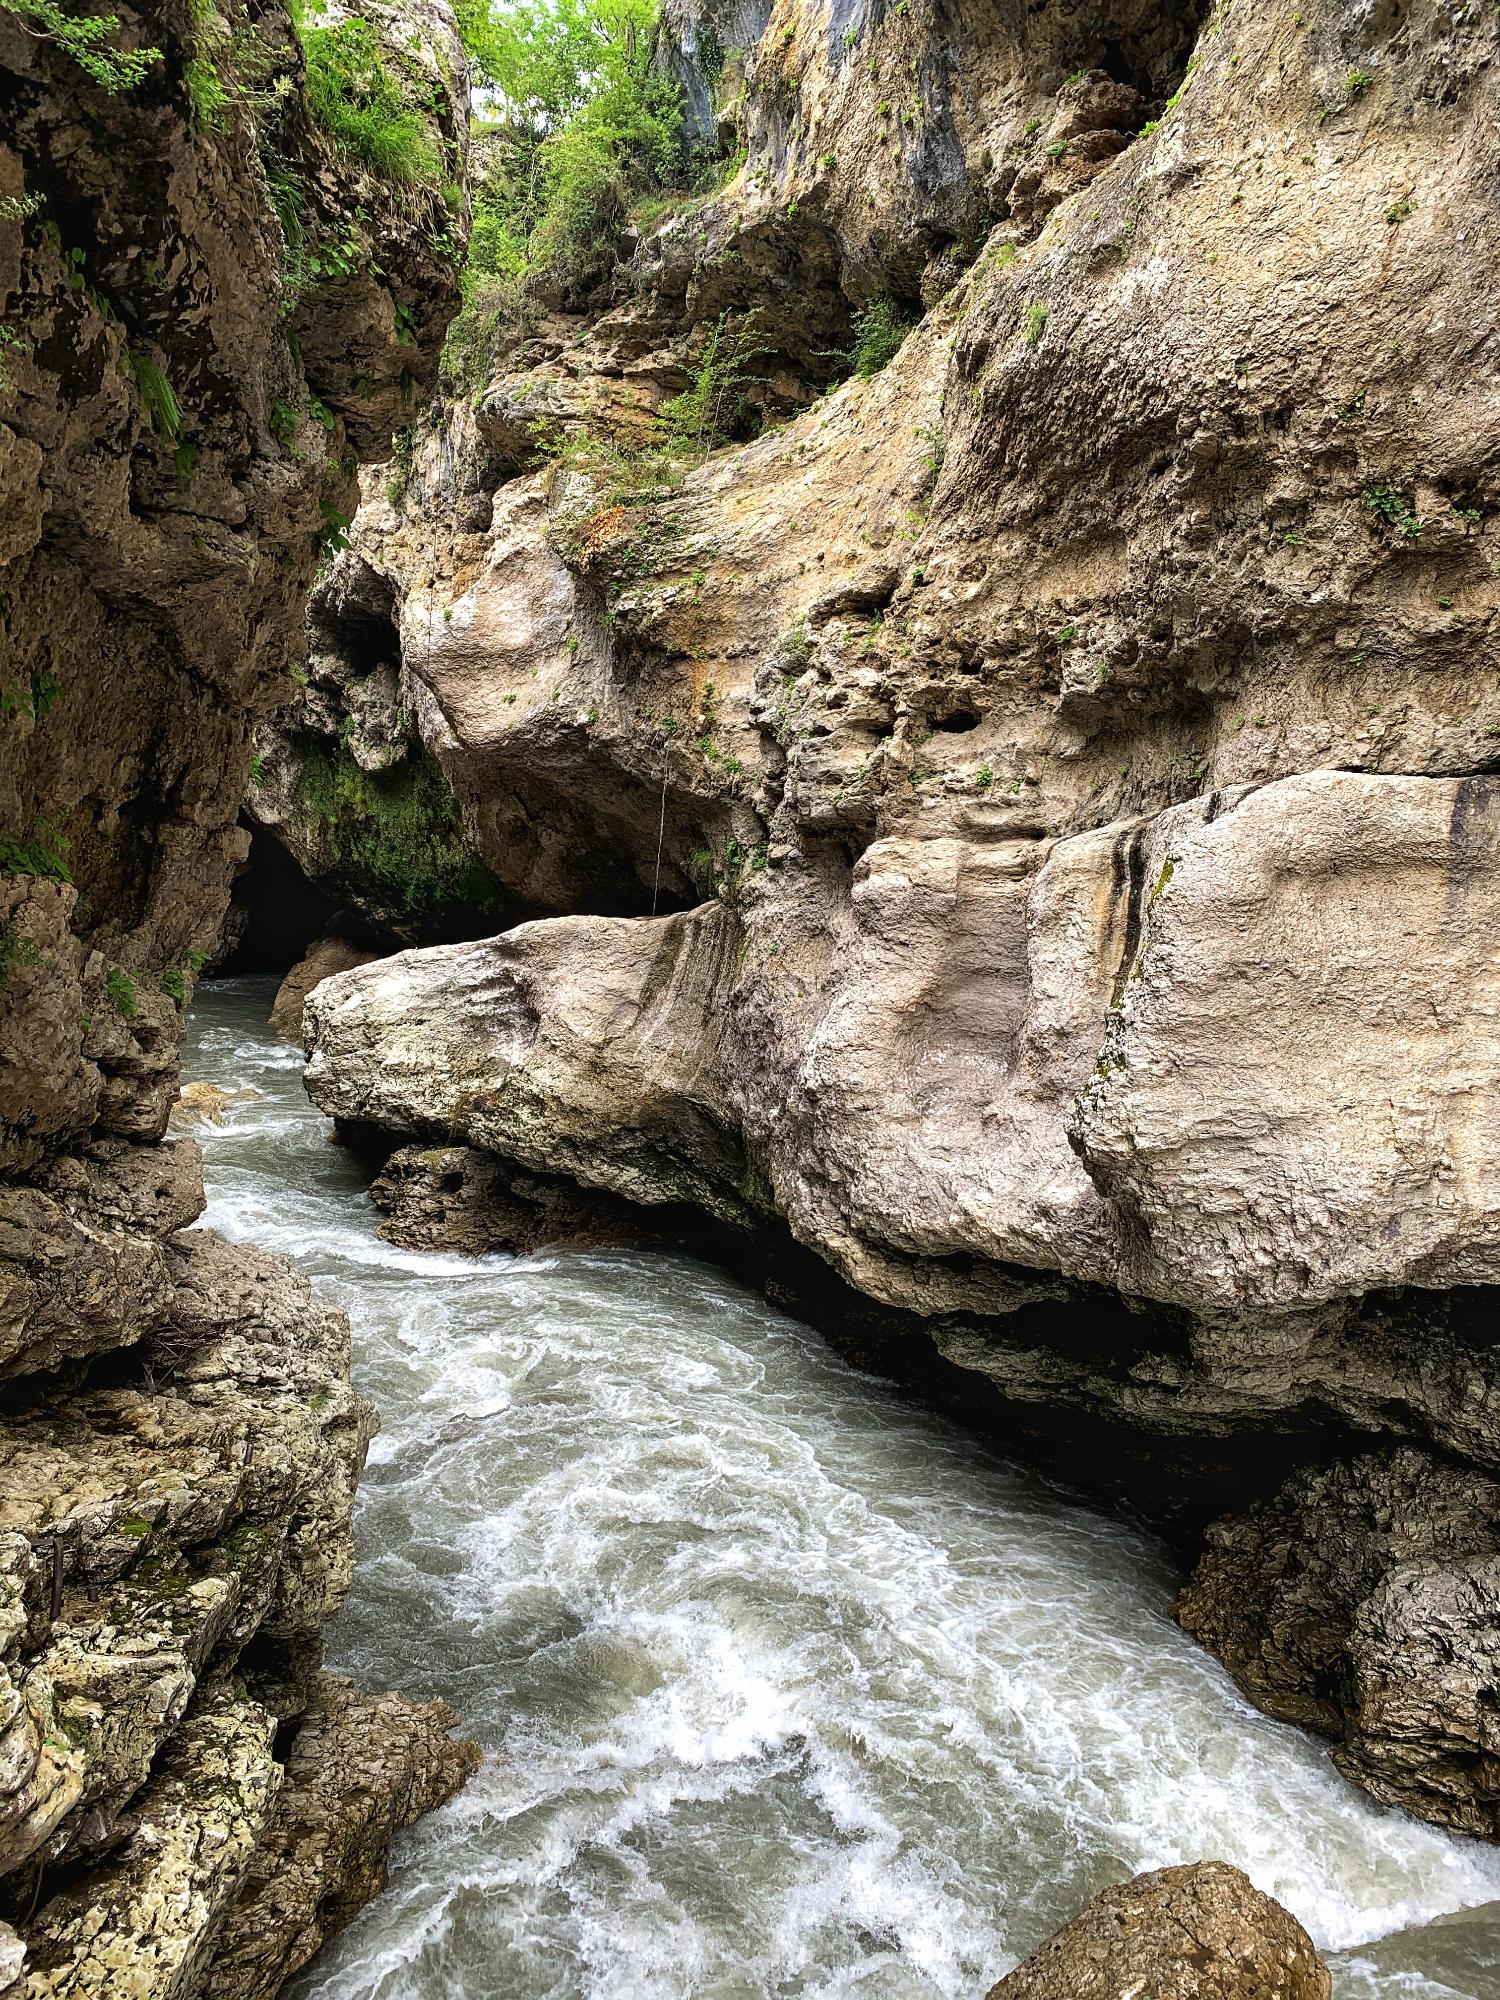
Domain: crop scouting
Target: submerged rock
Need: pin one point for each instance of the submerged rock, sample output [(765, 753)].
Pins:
[(1203, 1932)]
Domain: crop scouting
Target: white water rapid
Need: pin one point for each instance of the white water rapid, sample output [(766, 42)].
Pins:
[(787, 1687)]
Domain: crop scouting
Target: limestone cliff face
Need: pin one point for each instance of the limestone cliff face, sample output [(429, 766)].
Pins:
[(1026, 821), (208, 318)]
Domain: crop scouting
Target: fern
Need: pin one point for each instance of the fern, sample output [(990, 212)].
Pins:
[(158, 396)]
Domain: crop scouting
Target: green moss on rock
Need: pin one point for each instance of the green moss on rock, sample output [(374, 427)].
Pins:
[(395, 837)]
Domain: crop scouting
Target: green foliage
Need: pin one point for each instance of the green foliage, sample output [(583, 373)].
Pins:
[(33, 699), (41, 852), (709, 409), (85, 38), (174, 985), (585, 128), (359, 101), (119, 991), (158, 396), (879, 331), (1357, 82), (283, 422), (207, 93), (398, 832), (1036, 319), (1391, 506)]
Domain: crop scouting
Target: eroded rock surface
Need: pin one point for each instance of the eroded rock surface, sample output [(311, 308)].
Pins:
[(187, 390), (1361, 1601), (324, 957), (1026, 821), (1203, 1932)]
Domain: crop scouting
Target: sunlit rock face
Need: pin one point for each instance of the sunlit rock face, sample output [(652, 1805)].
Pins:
[(185, 405)]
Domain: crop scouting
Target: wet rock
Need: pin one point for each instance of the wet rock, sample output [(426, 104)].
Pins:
[(1361, 1601), (205, 1103), (1202, 1932), (458, 1199), (324, 957), (361, 1768)]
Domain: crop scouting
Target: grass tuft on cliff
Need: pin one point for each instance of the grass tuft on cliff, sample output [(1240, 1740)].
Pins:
[(361, 104)]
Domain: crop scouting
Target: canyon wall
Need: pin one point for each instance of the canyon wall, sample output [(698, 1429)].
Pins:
[(1021, 823), (209, 315)]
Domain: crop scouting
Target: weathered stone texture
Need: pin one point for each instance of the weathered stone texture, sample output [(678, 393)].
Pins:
[(1198, 1933), (179, 1444)]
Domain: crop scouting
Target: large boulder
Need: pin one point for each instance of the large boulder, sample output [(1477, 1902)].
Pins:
[(323, 957), (1203, 1932), (1363, 1600)]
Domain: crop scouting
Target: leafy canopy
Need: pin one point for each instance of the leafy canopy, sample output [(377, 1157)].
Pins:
[(578, 126)]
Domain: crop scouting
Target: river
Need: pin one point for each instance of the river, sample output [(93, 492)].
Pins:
[(786, 1687)]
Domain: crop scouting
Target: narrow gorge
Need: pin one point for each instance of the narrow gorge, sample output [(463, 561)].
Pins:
[(843, 662)]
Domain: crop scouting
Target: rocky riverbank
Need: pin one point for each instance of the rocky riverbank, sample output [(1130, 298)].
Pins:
[(210, 315)]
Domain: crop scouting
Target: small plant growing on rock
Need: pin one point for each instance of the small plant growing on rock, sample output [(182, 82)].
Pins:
[(879, 331), (85, 38), (706, 413), (119, 990), (1036, 319), (158, 395), (1357, 82), (42, 852)]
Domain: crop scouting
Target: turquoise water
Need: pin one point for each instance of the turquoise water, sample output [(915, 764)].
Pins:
[(786, 1686)]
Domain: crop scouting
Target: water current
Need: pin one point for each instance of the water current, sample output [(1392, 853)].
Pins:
[(786, 1686)]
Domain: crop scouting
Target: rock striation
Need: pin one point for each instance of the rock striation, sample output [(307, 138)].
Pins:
[(1198, 1933), (1025, 822), (189, 376)]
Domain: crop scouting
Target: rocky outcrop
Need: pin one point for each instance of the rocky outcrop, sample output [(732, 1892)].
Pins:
[(1027, 820), (1361, 1602), (1197, 1933), (362, 1767), (458, 1199), (324, 957), (208, 314)]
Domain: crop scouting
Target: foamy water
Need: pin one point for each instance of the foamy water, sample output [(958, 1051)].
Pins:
[(786, 1687)]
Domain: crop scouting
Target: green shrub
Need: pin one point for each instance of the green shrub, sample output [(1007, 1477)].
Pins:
[(41, 852), (85, 38), (585, 129), (879, 331), (119, 990), (361, 105), (174, 986), (708, 411)]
